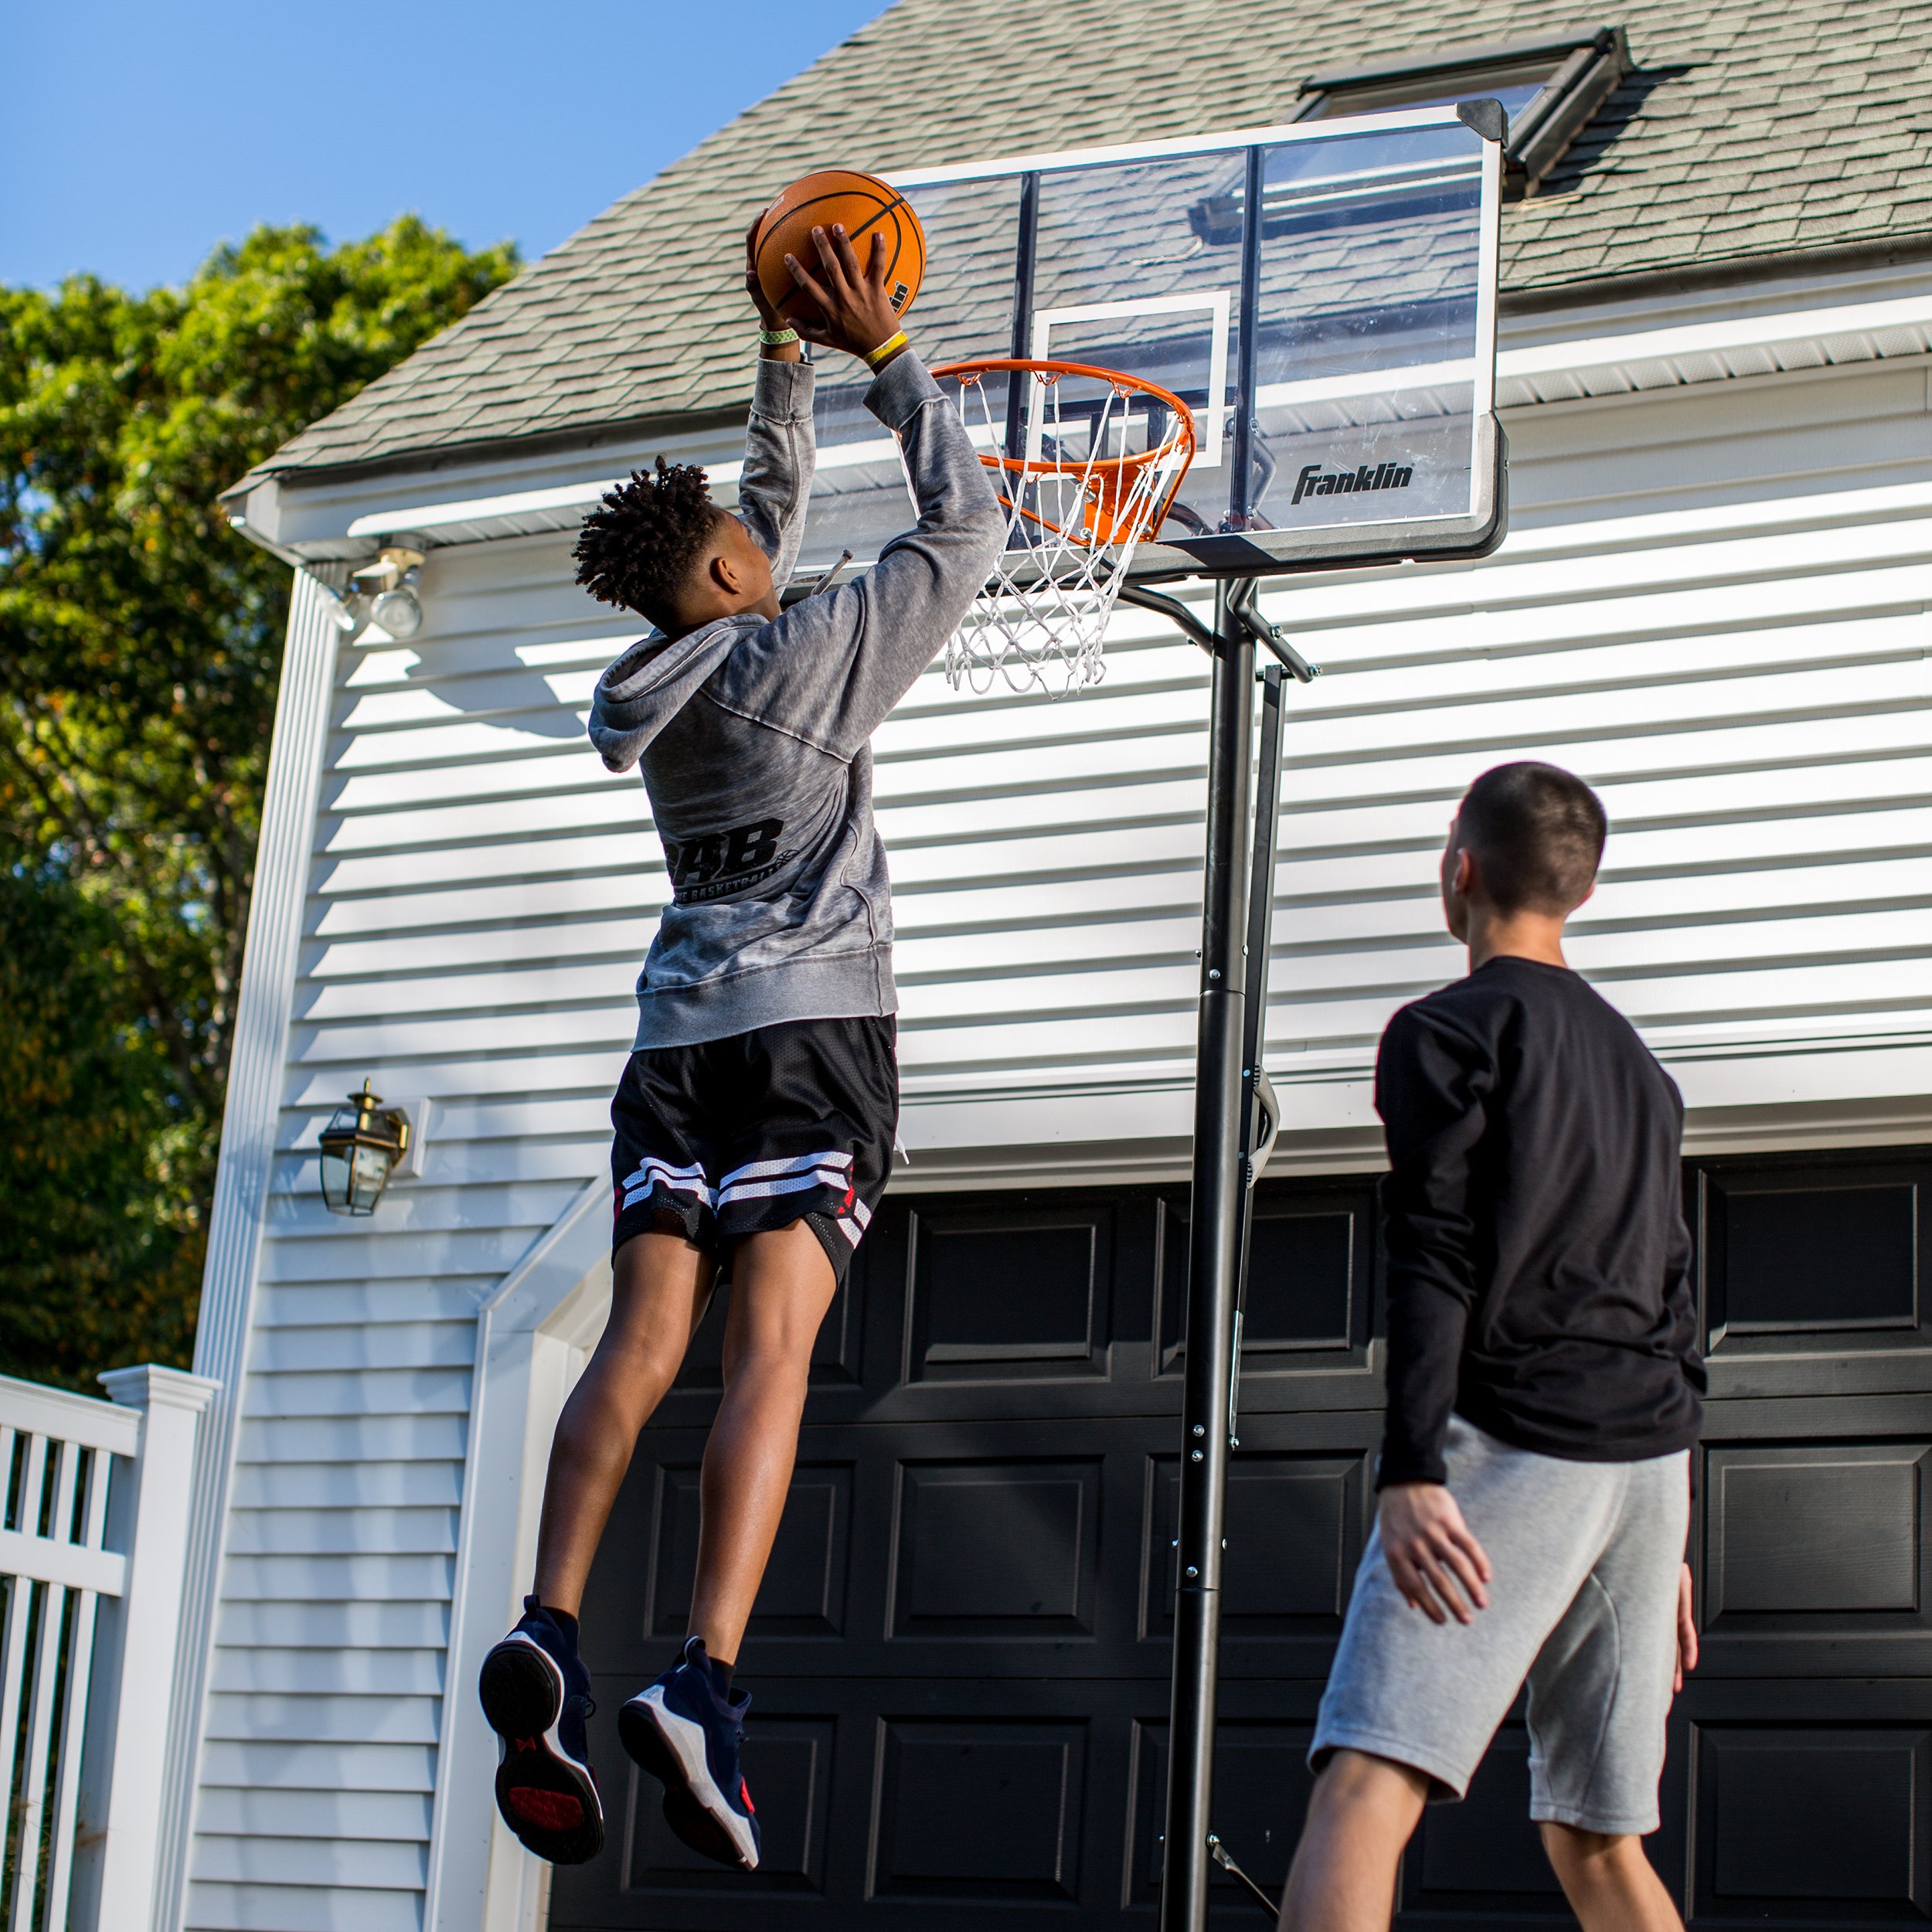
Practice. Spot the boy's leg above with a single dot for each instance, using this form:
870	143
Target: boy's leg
782	1285
1363	1811
687	1729
1611	1885
535	1690
660	1287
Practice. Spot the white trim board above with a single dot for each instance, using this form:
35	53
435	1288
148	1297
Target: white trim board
533	1332
242	1183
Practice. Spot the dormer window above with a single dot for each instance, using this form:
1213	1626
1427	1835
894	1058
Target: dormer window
1548	87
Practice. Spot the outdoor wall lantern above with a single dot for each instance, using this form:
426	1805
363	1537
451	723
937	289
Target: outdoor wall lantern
361	1145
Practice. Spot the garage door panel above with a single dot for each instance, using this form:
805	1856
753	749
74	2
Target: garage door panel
1810	1540
1311	1288
1261	1784
972	1810
1814	1530
1011	1291
1007	1551
1485	1854
1295	1527
803	1591
1813	1822
1801	1255
789	1760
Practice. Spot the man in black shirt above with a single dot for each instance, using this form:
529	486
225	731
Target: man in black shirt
1545	1389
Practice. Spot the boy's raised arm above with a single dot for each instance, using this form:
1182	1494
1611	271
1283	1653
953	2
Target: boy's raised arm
774	486
840	662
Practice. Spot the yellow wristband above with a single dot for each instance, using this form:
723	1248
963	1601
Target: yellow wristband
890	346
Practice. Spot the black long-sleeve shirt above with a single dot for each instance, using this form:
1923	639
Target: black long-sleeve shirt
1538	1264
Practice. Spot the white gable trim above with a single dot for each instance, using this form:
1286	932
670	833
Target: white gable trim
533	1334
242	1179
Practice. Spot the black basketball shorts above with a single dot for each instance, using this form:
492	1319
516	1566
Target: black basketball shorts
732	1137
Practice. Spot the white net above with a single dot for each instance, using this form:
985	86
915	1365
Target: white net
1104	456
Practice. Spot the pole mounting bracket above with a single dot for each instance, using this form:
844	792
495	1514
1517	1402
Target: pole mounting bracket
1240	602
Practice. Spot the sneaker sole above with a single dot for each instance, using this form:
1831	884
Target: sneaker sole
548	1800
672	1749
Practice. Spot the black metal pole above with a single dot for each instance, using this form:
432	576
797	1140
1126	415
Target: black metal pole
1214	1231
1267	817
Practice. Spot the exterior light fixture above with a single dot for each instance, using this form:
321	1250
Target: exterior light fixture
360	1145
347	614
391	581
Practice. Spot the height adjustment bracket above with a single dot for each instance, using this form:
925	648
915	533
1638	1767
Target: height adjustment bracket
1240	602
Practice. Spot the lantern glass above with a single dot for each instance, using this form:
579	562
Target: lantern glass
358	1146
335	1181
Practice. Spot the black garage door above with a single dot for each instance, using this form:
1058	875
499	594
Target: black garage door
960	1656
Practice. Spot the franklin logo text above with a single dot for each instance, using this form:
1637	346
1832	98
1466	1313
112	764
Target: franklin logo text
1314	481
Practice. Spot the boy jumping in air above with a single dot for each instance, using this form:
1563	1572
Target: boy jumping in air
1545	1389
756	1118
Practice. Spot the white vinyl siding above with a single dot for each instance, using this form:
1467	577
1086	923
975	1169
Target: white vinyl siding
1715	606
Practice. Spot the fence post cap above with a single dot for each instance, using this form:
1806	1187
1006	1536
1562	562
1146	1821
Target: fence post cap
150	1386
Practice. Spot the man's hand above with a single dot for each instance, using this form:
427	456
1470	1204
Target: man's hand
854	313
1686	1630
1429	1551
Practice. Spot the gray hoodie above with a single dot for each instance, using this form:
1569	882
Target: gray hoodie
754	733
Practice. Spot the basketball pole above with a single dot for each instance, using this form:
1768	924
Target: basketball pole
1228	1078
1215	1216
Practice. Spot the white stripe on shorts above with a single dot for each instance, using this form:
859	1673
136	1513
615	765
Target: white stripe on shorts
791	1164
652	1172
789	1184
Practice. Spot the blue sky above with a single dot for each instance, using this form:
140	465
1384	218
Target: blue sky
141	135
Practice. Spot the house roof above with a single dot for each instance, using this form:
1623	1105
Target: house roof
1746	128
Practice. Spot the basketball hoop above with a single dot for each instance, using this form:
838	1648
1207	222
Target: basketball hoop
1079	497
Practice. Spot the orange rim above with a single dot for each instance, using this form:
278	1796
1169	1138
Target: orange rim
1106	480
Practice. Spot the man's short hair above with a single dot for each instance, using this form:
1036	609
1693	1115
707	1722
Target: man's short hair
640	549
1537	832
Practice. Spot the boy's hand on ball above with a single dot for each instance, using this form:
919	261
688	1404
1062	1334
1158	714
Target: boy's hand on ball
854	313
767	315
1430	1552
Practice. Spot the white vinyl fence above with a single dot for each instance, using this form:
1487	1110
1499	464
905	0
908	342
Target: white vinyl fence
93	1525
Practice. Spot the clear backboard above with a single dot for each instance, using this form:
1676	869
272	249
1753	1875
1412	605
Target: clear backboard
1320	295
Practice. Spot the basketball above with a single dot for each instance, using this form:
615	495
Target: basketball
866	206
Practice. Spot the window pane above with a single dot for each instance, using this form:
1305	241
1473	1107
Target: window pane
1515	88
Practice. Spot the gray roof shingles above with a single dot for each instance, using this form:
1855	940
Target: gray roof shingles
1747	128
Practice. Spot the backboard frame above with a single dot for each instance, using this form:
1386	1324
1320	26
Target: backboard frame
1238	552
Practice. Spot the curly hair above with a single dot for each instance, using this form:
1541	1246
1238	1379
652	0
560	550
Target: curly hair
639	550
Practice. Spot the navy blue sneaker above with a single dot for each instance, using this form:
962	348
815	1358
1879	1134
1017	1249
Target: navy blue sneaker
687	1732
536	1695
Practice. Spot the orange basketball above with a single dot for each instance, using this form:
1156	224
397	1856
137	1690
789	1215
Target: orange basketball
867	206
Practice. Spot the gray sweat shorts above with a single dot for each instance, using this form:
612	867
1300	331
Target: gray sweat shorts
1583	1604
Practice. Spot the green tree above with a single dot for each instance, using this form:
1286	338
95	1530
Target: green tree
139	643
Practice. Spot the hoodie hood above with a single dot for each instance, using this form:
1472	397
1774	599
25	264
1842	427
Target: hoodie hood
653	681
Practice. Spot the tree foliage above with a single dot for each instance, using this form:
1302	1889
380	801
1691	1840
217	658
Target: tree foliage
139	644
